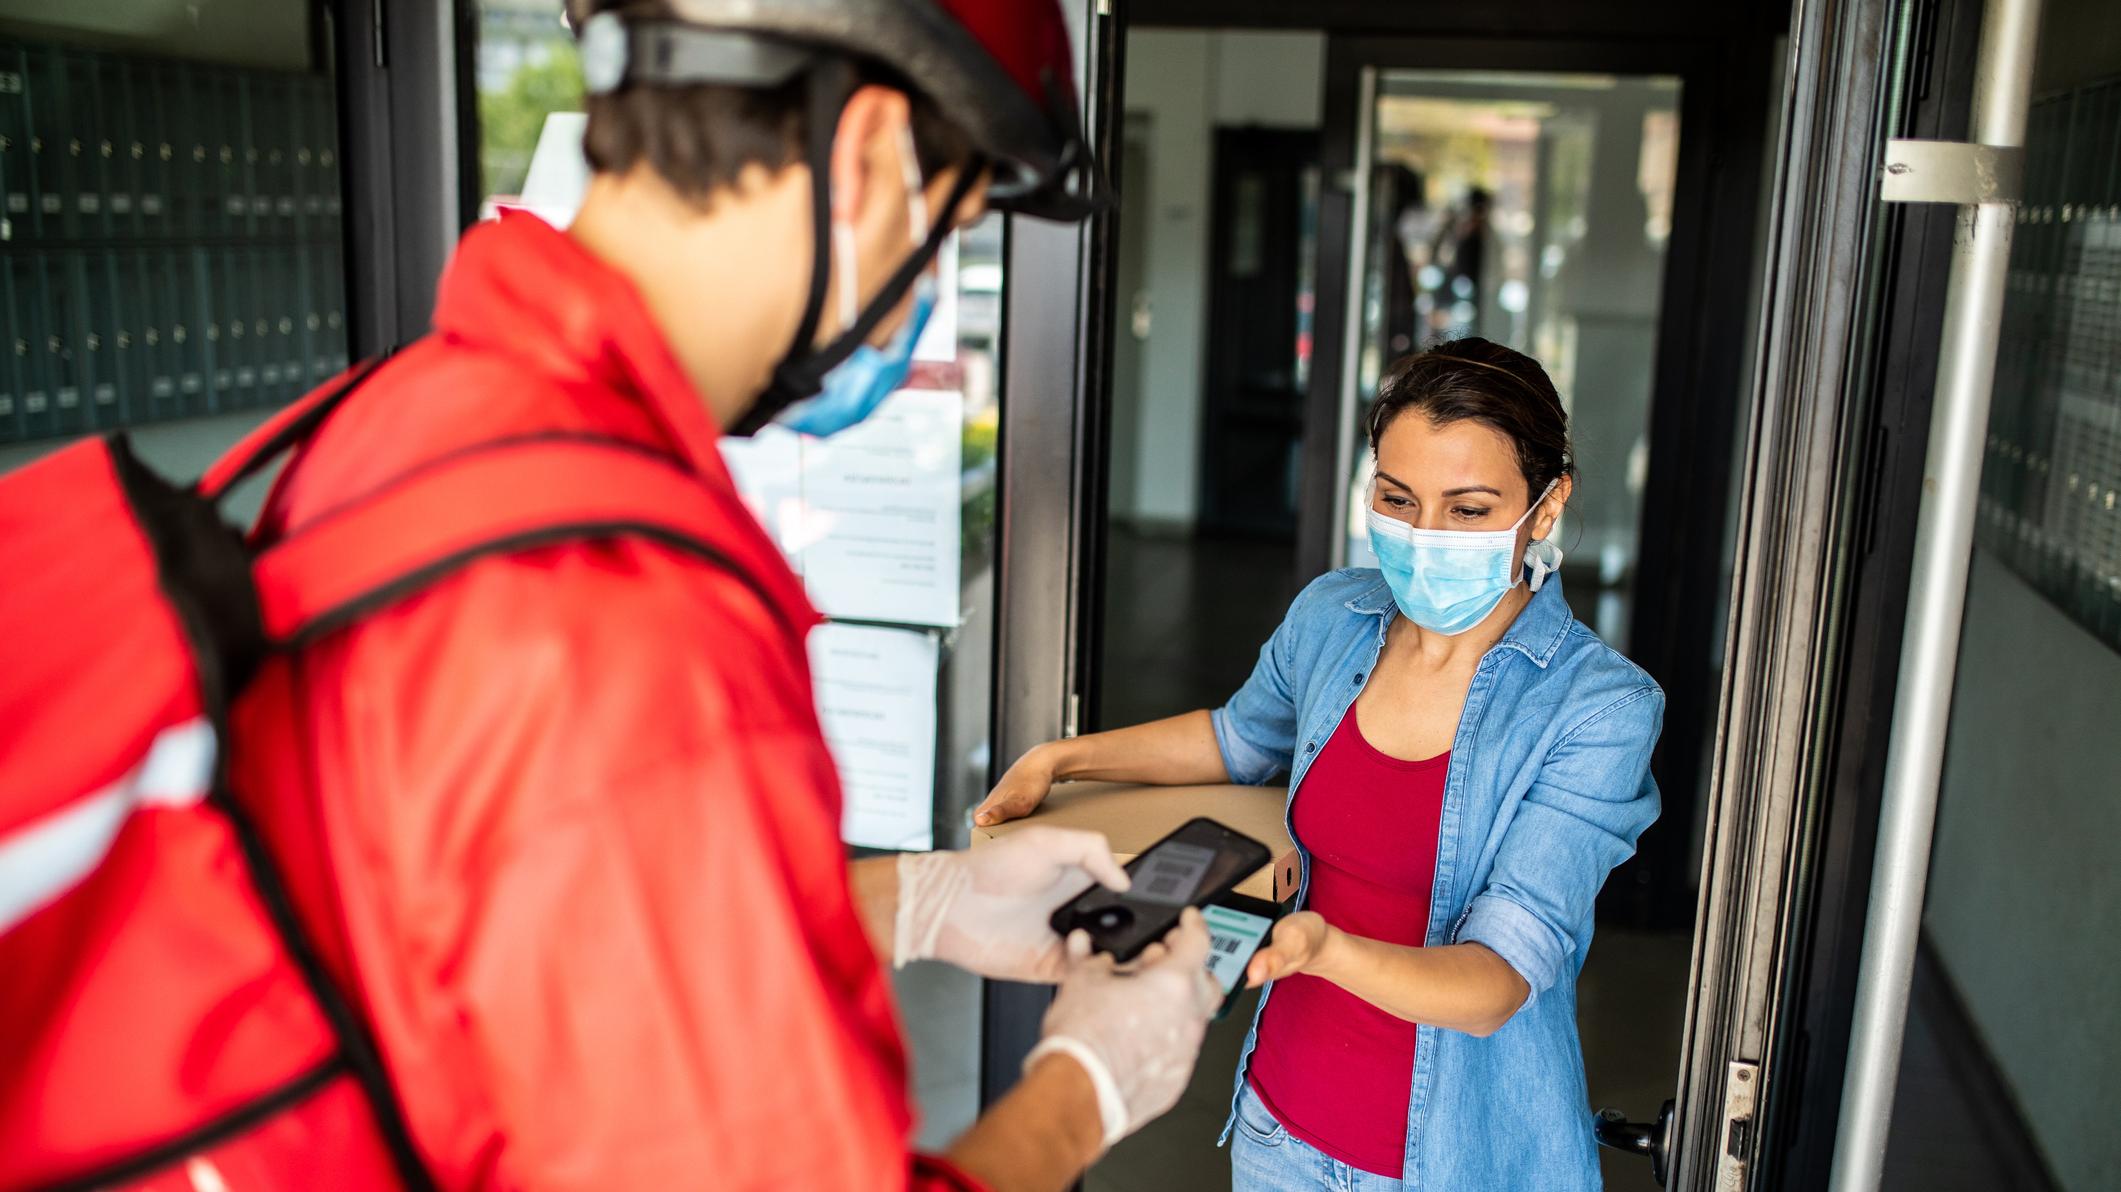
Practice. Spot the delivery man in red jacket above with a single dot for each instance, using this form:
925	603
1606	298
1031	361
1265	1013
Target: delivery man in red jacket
565	821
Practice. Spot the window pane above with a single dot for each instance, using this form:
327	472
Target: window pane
169	225
1532	210
527	71
2051	484
2005	1079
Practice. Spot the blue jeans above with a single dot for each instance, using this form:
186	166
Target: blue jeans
1265	1157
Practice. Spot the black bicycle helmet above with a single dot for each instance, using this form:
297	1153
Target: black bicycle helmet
1002	70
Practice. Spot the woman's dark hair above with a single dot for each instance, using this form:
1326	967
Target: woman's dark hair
1480	381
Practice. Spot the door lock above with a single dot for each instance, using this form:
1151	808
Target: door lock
1653	1142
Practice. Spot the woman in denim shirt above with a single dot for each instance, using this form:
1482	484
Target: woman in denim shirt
1495	770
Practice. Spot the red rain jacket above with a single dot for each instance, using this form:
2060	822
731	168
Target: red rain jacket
564	822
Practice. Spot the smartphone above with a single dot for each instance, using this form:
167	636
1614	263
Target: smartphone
1237	927
1193	866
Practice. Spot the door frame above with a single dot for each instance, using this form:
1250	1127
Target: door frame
1808	459
1828	926
1053	453
408	136
1801	623
1796	623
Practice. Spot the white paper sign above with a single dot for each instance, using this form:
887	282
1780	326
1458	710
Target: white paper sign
870	518
880	531
876	697
767	468
558	176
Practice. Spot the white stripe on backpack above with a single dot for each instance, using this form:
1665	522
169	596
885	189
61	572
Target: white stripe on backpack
45	858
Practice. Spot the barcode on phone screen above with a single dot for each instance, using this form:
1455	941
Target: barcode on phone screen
1171	873
1225	944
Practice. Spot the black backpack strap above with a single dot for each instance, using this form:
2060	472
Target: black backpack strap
204	568
351	561
501	497
285	430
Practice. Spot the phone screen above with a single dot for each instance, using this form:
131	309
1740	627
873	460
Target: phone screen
1193	866
1233	936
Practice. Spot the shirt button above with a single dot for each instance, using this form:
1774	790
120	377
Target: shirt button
1358	678
1310	747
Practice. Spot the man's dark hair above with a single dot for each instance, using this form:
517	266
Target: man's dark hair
699	139
1478	380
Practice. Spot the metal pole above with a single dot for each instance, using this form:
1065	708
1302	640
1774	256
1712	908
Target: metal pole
1929	650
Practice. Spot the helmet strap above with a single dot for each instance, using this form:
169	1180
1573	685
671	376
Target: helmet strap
831	85
801	371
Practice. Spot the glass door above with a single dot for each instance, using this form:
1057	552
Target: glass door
1533	209
1629	215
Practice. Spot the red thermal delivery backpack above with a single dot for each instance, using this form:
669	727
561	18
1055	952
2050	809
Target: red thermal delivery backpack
165	1021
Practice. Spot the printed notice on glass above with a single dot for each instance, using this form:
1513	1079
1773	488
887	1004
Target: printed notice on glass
879	534
876	696
767	468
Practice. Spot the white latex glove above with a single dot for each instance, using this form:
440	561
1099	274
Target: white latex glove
987	910
1137	1030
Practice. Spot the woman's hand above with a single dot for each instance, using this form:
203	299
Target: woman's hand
1020	791
1294	948
1179	751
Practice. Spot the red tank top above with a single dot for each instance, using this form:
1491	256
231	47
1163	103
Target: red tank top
1334	1069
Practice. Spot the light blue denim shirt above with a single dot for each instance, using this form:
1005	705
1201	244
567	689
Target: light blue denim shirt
1548	788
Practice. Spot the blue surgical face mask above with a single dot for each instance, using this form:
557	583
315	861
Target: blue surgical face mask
1448	581
859	384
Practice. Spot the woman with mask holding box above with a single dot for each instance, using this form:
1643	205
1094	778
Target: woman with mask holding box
1466	764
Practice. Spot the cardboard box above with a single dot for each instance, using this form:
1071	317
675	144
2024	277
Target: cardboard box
1135	817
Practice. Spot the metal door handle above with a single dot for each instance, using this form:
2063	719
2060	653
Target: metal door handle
1653	1142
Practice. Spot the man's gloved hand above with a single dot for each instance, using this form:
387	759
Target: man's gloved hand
986	910
1135	1031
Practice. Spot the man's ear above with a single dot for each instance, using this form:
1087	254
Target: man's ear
865	150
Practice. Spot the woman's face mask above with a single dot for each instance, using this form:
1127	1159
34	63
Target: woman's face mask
1448	581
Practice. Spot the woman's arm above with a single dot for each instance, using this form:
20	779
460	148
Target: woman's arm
1459	987
1246	740
1178	751
1581	817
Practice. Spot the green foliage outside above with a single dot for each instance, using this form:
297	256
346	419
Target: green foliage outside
982	437
511	117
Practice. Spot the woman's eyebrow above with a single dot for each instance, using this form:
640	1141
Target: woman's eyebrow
1471	488
1395	480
